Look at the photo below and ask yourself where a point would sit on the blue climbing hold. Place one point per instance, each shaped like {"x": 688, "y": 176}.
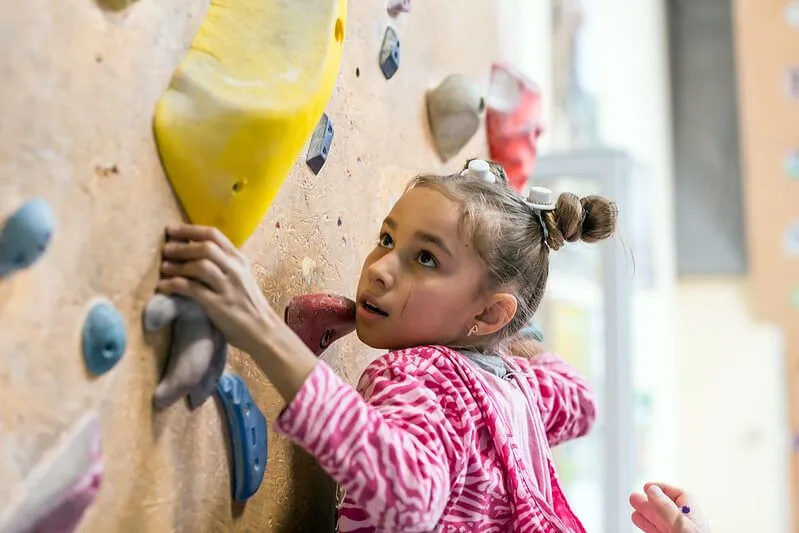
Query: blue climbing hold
{"x": 390, "y": 53}
{"x": 247, "y": 428}
{"x": 25, "y": 236}
{"x": 104, "y": 338}
{"x": 319, "y": 146}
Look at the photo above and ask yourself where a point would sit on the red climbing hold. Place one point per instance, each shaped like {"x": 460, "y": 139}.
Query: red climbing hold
{"x": 320, "y": 319}
{"x": 513, "y": 123}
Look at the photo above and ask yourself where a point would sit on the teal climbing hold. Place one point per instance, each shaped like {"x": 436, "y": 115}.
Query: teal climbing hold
{"x": 25, "y": 236}
{"x": 104, "y": 338}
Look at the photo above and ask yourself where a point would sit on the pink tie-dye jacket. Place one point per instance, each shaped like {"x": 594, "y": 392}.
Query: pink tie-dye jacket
{"x": 420, "y": 447}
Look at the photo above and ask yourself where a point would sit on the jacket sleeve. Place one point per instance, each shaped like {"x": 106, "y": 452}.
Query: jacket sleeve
{"x": 566, "y": 401}
{"x": 396, "y": 450}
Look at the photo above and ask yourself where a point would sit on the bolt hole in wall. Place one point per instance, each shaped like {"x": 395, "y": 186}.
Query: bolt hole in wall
{"x": 339, "y": 31}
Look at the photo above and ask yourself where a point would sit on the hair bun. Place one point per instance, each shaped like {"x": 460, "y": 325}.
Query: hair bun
{"x": 590, "y": 219}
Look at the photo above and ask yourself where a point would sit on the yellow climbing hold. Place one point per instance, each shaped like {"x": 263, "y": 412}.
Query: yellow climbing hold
{"x": 242, "y": 104}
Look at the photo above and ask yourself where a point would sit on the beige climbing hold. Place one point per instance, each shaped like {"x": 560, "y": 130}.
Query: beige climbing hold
{"x": 453, "y": 109}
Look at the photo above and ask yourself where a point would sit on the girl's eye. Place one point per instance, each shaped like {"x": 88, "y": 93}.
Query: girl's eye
{"x": 385, "y": 241}
{"x": 427, "y": 259}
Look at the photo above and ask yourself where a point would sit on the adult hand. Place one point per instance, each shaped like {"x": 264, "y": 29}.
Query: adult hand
{"x": 667, "y": 509}
{"x": 200, "y": 263}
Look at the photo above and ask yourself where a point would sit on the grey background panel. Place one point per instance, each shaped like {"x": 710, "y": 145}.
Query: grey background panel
{"x": 709, "y": 213}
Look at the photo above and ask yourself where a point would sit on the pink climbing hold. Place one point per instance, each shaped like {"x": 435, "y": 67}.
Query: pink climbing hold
{"x": 395, "y": 7}
{"x": 61, "y": 487}
{"x": 513, "y": 123}
{"x": 67, "y": 515}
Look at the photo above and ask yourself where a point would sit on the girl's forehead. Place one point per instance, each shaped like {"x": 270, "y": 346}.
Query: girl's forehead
{"x": 427, "y": 210}
{"x": 426, "y": 204}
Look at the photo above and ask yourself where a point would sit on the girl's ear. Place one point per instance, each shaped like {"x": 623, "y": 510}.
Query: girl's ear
{"x": 500, "y": 310}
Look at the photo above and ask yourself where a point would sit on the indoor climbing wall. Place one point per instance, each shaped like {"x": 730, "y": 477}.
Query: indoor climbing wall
{"x": 84, "y": 199}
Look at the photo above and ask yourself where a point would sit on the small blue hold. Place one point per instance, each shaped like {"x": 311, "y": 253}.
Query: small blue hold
{"x": 319, "y": 146}
{"x": 25, "y": 236}
{"x": 104, "y": 338}
{"x": 390, "y": 53}
{"x": 247, "y": 427}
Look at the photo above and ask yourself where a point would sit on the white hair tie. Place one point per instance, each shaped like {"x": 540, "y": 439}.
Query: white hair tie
{"x": 540, "y": 199}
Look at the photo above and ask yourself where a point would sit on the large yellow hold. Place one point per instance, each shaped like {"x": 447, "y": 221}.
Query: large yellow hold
{"x": 242, "y": 104}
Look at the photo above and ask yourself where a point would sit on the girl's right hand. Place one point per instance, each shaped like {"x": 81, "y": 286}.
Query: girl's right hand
{"x": 662, "y": 509}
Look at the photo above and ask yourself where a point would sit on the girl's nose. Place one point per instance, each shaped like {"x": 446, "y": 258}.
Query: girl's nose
{"x": 382, "y": 271}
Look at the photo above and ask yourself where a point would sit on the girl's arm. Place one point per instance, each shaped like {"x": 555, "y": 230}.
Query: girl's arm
{"x": 565, "y": 399}
{"x": 394, "y": 453}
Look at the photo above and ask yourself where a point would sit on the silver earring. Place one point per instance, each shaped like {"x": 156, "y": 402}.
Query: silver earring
{"x": 472, "y": 331}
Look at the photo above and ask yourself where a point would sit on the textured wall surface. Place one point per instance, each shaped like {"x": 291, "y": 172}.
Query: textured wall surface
{"x": 79, "y": 85}
{"x": 768, "y": 94}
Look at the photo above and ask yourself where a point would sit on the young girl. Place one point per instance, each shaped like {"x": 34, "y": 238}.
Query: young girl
{"x": 446, "y": 432}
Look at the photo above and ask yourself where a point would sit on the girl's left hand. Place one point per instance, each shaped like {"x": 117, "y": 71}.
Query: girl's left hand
{"x": 665, "y": 508}
{"x": 202, "y": 264}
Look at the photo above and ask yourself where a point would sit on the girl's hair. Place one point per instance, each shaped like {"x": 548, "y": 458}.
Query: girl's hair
{"x": 508, "y": 234}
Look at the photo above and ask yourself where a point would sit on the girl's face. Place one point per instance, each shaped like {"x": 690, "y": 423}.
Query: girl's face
{"x": 421, "y": 283}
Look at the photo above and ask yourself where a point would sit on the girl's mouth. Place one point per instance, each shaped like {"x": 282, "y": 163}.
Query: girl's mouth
{"x": 371, "y": 308}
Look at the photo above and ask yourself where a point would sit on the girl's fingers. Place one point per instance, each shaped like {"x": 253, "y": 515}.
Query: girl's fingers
{"x": 667, "y": 509}
{"x": 189, "y": 232}
{"x": 645, "y": 507}
{"x": 641, "y": 522}
{"x": 198, "y": 250}
{"x": 693, "y": 519}
{"x": 188, "y": 288}
{"x": 676, "y": 494}
{"x": 204, "y": 271}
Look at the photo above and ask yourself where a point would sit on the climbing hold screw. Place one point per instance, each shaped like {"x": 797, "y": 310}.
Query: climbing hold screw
{"x": 104, "y": 338}
{"x": 390, "y": 53}
{"x": 25, "y": 236}
{"x": 319, "y": 147}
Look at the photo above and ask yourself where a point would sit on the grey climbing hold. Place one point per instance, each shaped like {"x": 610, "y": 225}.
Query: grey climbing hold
{"x": 198, "y": 352}
{"x": 209, "y": 380}
{"x": 319, "y": 147}
{"x": 453, "y": 110}
{"x": 163, "y": 309}
{"x": 390, "y": 53}
{"x": 25, "y": 236}
{"x": 104, "y": 338}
